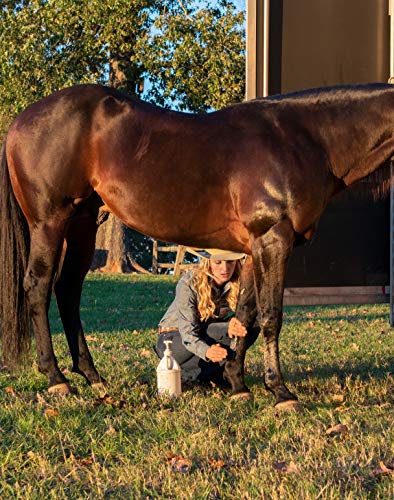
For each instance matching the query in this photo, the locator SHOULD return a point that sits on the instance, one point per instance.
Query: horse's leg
(80, 239)
(45, 246)
(270, 255)
(246, 314)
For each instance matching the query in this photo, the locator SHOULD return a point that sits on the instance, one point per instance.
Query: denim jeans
(193, 367)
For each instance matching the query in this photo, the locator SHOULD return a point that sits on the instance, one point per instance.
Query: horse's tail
(14, 247)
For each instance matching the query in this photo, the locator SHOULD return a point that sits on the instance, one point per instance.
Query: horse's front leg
(270, 256)
(246, 314)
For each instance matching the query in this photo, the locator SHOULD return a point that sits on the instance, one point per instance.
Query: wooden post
(391, 14)
(179, 259)
(178, 265)
(154, 257)
(257, 46)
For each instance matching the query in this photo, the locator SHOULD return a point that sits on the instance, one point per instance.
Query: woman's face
(222, 270)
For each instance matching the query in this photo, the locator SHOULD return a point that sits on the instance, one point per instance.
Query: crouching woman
(201, 322)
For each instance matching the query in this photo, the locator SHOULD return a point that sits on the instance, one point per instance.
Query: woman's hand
(216, 353)
(236, 328)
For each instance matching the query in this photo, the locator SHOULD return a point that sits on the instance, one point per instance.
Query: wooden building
(299, 44)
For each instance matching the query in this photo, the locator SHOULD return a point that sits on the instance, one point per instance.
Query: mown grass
(339, 360)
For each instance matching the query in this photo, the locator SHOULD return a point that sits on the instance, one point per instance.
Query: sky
(241, 4)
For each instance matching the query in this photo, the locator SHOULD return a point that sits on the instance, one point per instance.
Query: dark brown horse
(252, 178)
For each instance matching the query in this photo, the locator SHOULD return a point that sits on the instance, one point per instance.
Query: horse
(254, 177)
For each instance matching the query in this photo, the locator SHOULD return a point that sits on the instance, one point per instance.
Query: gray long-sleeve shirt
(183, 313)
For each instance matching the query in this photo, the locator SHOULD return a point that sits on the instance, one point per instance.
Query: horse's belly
(168, 217)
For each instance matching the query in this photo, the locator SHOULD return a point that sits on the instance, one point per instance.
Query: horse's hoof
(100, 388)
(245, 396)
(289, 406)
(61, 389)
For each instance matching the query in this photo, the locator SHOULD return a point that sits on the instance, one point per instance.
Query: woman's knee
(217, 333)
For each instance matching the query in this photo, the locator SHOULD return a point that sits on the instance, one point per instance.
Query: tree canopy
(196, 57)
(191, 54)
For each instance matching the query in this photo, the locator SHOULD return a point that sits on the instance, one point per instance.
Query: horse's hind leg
(80, 239)
(45, 246)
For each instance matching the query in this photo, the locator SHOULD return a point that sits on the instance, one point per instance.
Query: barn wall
(315, 43)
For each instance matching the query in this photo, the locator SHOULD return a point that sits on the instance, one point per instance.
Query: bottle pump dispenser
(169, 374)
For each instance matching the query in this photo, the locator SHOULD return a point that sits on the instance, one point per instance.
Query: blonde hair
(206, 306)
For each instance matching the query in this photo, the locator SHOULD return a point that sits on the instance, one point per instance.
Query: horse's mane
(319, 92)
(374, 187)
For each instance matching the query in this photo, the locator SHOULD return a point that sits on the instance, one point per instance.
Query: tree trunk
(120, 249)
(110, 239)
(114, 242)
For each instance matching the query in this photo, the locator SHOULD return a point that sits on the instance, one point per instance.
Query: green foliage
(337, 359)
(196, 57)
(5, 120)
(45, 46)
(191, 54)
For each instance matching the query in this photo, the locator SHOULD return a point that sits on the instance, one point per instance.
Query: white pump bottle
(169, 374)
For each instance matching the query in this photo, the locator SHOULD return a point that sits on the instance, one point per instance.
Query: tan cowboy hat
(217, 254)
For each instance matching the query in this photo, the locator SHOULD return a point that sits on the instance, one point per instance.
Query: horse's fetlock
(233, 369)
(42, 368)
(271, 377)
(45, 363)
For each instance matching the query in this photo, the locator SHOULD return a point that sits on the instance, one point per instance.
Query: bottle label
(169, 382)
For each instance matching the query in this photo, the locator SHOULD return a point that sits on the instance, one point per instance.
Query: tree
(191, 56)
(46, 45)
(195, 57)
(121, 249)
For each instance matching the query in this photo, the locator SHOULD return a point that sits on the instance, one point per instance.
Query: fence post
(179, 259)
(154, 257)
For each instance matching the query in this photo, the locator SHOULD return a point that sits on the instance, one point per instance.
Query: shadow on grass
(361, 370)
(295, 317)
(111, 304)
(364, 371)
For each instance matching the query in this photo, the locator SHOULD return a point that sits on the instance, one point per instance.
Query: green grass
(339, 360)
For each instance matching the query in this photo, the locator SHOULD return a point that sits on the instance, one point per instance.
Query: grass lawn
(134, 444)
